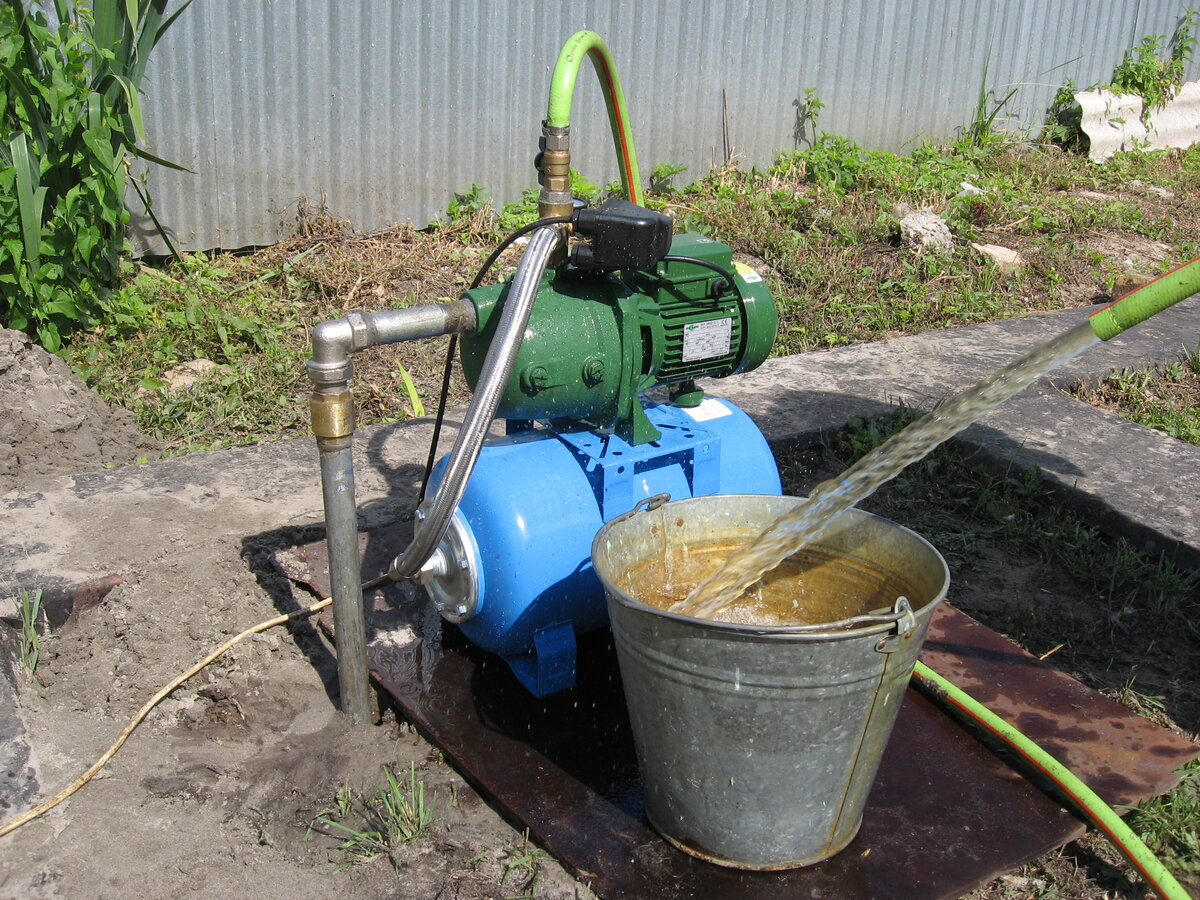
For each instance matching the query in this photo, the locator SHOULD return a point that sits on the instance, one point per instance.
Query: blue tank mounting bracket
(550, 666)
(619, 470)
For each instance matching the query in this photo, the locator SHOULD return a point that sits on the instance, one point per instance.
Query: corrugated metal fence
(381, 109)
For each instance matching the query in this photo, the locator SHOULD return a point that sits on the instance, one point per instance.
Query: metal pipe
(333, 341)
(345, 578)
(497, 368)
(332, 407)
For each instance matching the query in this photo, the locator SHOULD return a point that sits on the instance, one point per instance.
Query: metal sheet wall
(380, 110)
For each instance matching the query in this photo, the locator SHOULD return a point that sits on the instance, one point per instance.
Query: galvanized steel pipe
(333, 341)
(345, 578)
(332, 406)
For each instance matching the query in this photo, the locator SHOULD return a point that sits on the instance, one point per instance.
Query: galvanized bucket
(758, 745)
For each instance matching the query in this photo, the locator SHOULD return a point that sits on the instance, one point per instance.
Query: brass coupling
(554, 171)
(332, 414)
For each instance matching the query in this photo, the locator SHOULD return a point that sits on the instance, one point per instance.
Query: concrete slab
(1113, 122)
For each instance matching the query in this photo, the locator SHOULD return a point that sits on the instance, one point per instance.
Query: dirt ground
(52, 422)
(214, 793)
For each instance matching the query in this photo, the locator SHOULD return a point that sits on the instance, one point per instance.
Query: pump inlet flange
(451, 575)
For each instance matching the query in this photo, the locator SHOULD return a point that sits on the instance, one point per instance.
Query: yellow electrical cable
(141, 714)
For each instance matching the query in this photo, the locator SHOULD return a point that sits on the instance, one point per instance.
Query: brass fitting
(554, 172)
(332, 414)
(556, 169)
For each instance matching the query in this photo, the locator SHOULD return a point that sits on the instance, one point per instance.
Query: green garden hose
(1084, 798)
(1152, 297)
(562, 92)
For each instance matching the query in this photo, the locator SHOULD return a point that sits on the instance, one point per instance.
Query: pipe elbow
(332, 344)
(336, 340)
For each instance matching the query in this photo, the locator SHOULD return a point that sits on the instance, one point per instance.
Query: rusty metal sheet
(945, 814)
(1118, 754)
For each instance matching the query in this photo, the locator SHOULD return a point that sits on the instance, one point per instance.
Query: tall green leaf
(33, 110)
(71, 117)
(31, 197)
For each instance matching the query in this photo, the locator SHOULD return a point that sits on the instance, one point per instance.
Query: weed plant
(201, 310)
(1166, 398)
(1170, 824)
(523, 869)
(72, 118)
(30, 605)
(1153, 70)
(396, 813)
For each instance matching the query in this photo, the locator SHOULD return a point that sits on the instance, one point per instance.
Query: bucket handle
(901, 615)
(906, 624)
(646, 503)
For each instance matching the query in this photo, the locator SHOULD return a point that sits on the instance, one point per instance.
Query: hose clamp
(555, 137)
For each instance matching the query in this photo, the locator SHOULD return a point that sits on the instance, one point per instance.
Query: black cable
(507, 242)
(448, 367)
(724, 273)
(447, 371)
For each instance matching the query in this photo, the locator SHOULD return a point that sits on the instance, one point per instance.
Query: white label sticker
(708, 408)
(748, 274)
(705, 340)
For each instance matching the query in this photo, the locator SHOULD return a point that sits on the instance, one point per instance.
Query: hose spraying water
(802, 525)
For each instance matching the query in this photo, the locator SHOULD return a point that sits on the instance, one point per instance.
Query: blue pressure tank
(515, 569)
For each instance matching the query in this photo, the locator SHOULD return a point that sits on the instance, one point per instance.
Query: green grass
(395, 814)
(1166, 398)
(200, 310)
(30, 605)
(251, 315)
(819, 224)
(823, 222)
(961, 508)
(1121, 621)
(523, 868)
(1170, 824)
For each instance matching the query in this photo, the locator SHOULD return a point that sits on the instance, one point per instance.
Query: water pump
(606, 304)
(513, 570)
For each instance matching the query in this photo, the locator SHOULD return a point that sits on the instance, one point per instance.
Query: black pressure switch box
(624, 236)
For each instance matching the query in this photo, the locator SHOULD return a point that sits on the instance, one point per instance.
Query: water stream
(746, 565)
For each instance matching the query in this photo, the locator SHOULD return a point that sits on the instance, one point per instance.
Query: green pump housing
(596, 340)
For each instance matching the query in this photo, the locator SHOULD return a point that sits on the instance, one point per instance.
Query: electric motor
(597, 339)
